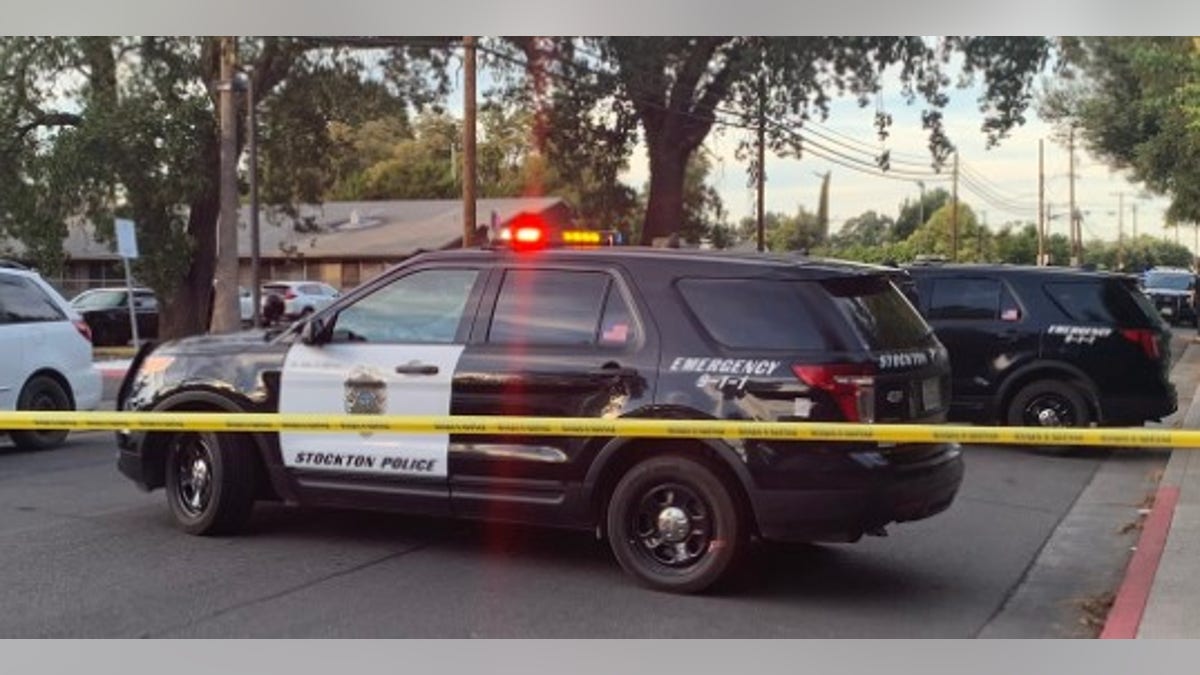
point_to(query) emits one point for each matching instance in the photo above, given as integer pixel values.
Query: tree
(934, 237)
(801, 232)
(677, 89)
(867, 229)
(102, 126)
(912, 214)
(1136, 103)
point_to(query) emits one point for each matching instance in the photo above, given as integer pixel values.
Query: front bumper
(886, 494)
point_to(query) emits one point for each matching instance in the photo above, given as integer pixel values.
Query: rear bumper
(886, 494)
(1137, 409)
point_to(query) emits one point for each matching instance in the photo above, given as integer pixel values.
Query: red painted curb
(1126, 613)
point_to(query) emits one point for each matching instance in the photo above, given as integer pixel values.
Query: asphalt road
(83, 553)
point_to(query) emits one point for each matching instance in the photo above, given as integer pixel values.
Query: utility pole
(469, 222)
(225, 315)
(1133, 208)
(1073, 218)
(761, 178)
(255, 250)
(954, 214)
(982, 230)
(921, 204)
(1120, 230)
(1041, 254)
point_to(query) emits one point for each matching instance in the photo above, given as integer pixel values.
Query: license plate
(931, 393)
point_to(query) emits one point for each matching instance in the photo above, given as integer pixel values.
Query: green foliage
(975, 242)
(913, 214)
(675, 89)
(92, 127)
(1135, 102)
(868, 229)
(1144, 252)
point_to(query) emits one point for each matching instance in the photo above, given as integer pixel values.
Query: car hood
(257, 340)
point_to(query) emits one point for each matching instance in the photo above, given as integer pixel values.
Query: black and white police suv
(606, 333)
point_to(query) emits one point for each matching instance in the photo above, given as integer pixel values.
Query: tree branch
(693, 69)
(49, 119)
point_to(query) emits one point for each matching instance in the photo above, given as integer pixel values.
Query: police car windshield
(1174, 281)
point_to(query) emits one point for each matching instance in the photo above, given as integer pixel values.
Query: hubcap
(671, 526)
(195, 476)
(1050, 410)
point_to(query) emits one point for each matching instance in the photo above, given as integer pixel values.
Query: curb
(1125, 617)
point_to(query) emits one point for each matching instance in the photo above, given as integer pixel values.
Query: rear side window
(964, 299)
(553, 307)
(758, 313)
(879, 312)
(1101, 301)
(21, 301)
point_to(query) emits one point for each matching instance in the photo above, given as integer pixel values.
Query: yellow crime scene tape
(573, 426)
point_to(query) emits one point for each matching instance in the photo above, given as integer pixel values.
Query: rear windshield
(1109, 301)
(880, 314)
(760, 313)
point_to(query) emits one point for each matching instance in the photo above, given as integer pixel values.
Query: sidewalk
(1161, 588)
(1175, 586)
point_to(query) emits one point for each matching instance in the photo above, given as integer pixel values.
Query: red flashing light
(84, 330)
(529, 235)
(851, 385)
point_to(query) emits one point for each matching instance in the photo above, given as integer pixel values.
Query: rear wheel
(674, 525)
(1049, 403)
(41, 393)
(210, 482)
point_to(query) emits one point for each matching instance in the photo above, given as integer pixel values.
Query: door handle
(417, 368)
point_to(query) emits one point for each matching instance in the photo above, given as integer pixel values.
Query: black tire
(1049, 403)
(41, 393)
(210, 482)
(705, 534)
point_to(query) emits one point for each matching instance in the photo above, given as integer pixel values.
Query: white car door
(392, 352)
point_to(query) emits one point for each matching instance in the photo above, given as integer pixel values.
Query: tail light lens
(84, 330)
(290, 295)
(1144, 338)
(852, 387)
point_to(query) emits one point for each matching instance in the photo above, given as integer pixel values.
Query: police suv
(1048, 346)
(607, 333)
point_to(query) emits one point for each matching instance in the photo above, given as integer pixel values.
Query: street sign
(126, 238)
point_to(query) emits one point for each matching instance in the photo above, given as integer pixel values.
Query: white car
(245, 305)
(47, 349)
(300, 297)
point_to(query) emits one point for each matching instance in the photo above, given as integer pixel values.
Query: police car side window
(423, 307)
(550, 307)
(965, 299)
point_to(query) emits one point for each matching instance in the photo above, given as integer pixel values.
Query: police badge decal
(365, 393)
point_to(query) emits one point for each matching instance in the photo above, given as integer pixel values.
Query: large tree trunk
(187, 309)
(668, 167)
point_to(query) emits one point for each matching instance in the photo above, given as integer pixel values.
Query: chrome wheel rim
(672, 526)
(1050, 410)
(193, 473)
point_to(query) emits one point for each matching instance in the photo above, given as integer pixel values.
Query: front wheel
(210, 482)
(674, 525)
(1049, 403)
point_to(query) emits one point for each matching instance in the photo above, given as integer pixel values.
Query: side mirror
(314, 332)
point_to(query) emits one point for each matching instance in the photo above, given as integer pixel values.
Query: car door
(550, 342)
(393, 350)
(984, 328)
(14, 340)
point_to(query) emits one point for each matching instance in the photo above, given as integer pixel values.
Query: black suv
(605, 333)
(1044, 346)
(1172, 290)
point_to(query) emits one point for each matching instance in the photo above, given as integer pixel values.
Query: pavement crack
(286, 591)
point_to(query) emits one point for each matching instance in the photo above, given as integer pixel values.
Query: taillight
(84, 330)
(1145, 338)
(290, 295)
(851, 385)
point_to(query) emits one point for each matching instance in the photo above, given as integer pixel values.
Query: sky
(1007, 173)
